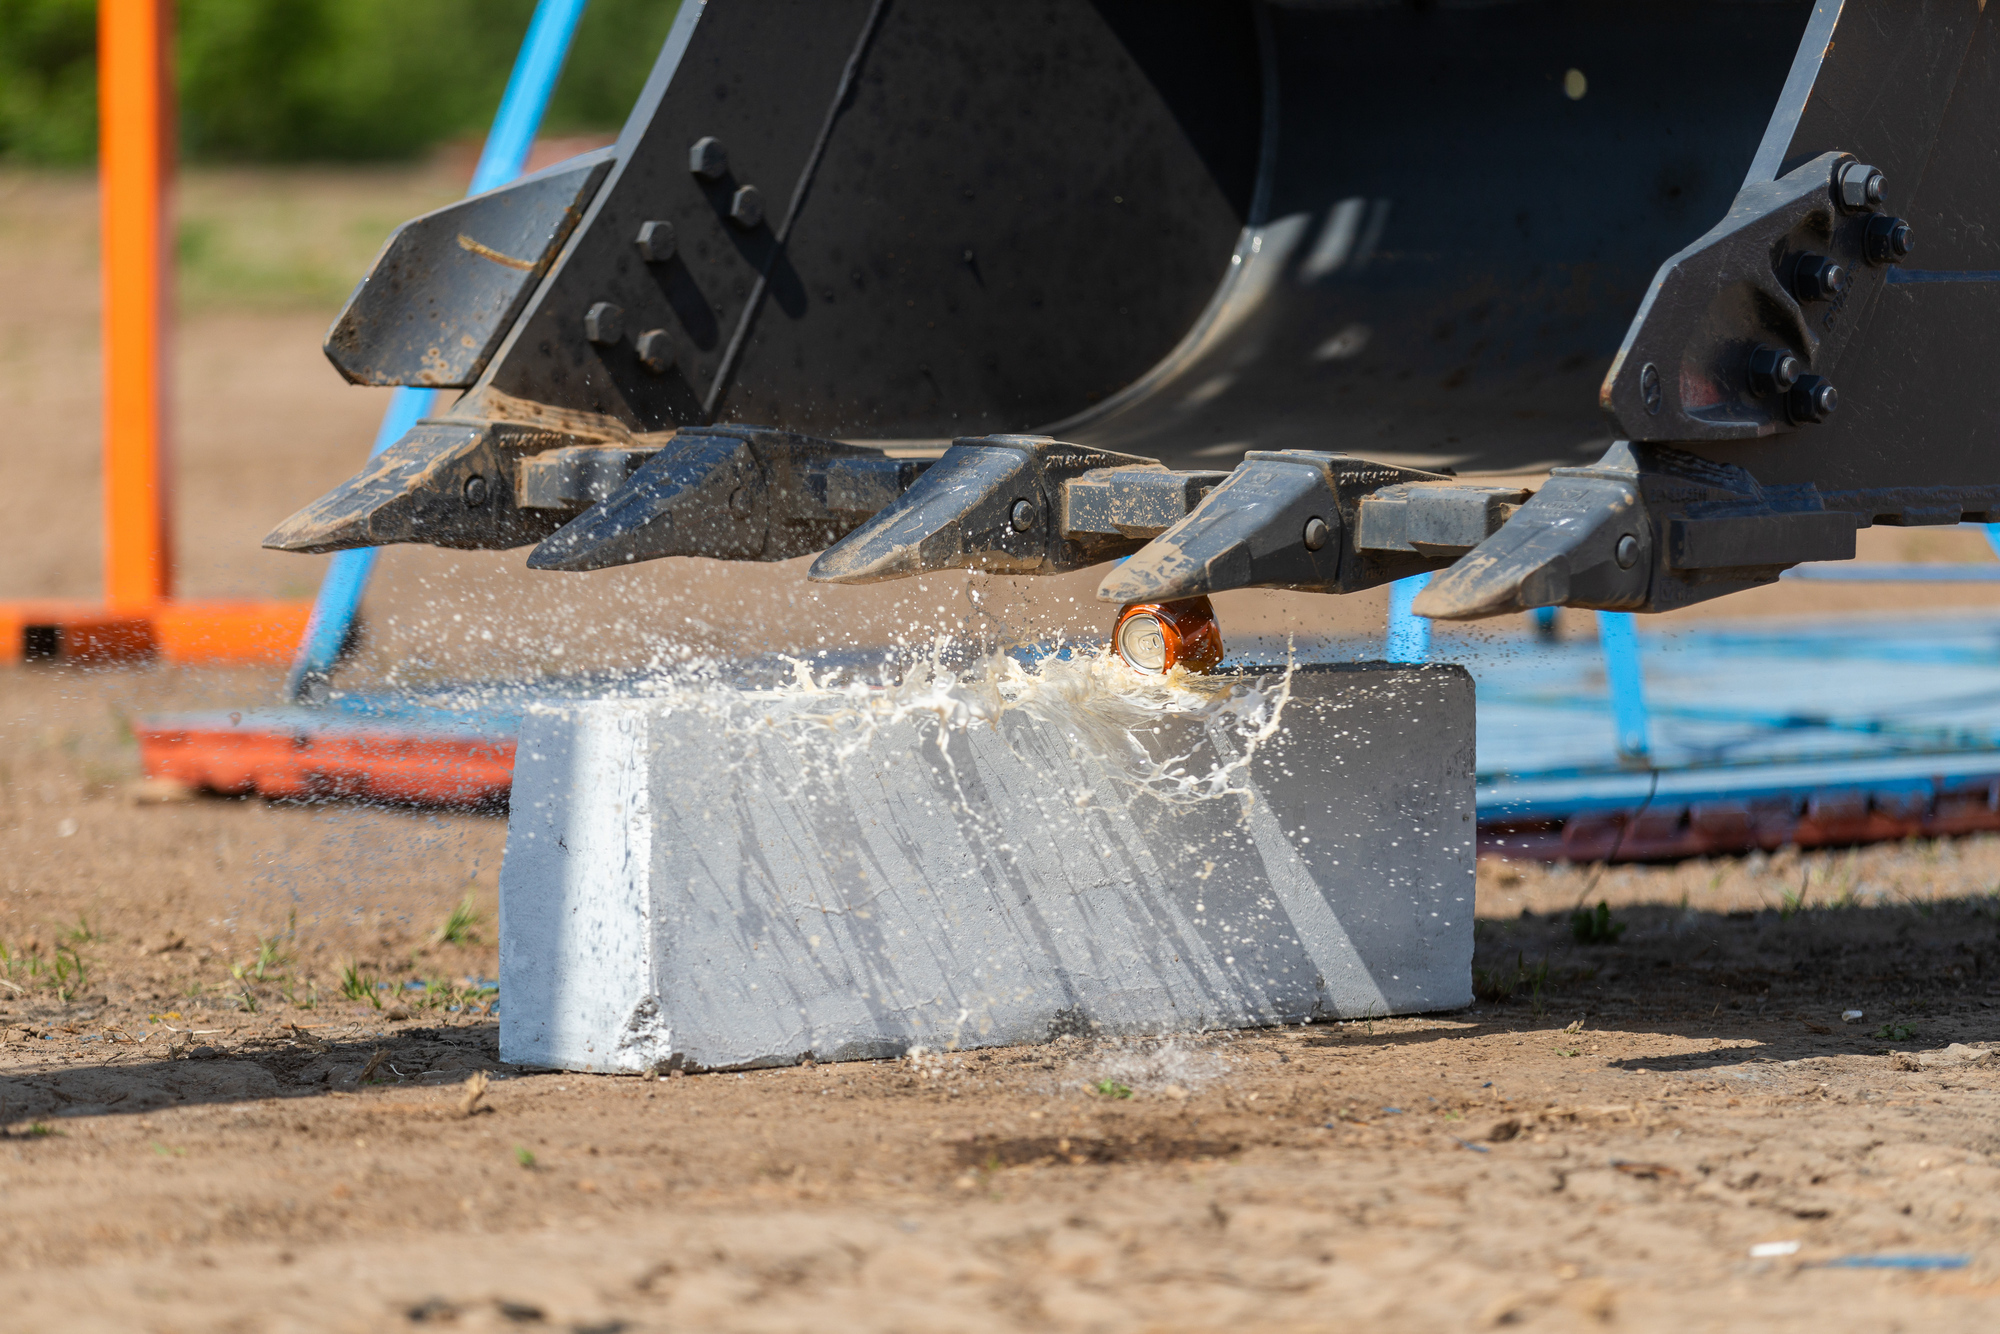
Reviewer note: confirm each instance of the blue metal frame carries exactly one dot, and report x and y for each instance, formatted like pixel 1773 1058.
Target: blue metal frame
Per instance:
pixel 536 69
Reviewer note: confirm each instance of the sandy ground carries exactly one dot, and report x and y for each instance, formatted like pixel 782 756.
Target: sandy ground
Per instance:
pixel 199 1134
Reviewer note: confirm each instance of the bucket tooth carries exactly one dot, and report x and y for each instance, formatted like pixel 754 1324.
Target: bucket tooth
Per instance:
pixel 731 493
pixel 696 499
pixel 993 503
pixel 1583 540
pixel 447 484
pixel 1250 531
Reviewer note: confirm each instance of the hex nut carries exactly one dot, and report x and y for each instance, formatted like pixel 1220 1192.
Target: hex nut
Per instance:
pixel 708 159
pixel 1812 399
pixel 1889 240
pixel 604 323
pixel 1773 370
pixel 1022 515
pixel 1817 278
pixel 656 351
pixel 1316 534
pixel 1626 553
pixel 746 207
pixel 656 242
pixel 1859 188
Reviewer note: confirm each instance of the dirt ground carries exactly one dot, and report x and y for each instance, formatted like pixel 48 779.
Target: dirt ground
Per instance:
pixel 239 1041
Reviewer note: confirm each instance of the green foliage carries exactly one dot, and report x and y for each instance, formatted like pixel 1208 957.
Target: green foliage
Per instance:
pixel 356 985
pixel 1896 1033
pixel 1111 1088
pixel 319 80
pixel 460 925
pixel 1594 926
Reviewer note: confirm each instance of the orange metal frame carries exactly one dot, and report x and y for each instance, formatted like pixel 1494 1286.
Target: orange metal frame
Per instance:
pixel 139 617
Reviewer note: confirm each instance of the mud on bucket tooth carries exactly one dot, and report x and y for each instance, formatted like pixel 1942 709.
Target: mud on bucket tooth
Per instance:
pixel 1657 259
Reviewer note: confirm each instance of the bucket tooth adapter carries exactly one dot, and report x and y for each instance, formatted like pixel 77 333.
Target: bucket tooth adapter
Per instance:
pixel 731 493
pixel 1016 504
pixel 1666 281
pixel 1324 523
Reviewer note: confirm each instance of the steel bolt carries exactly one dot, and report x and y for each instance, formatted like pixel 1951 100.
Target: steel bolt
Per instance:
pixel 1773 370
pixel 708 159
pixel 746 207
pixel 1317 533
pixel 604 323
pixel 1812 399
pixel 1859 188
pixel 1626 553
pixel 1022 516
pixel 656 242
pixel 1817 278
pixel 1889 240
pixel 656 351
pixel 475 491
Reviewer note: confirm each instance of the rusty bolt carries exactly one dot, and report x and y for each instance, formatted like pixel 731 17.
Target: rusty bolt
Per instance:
pixel 1889 240
pixel 1817 278
pixel 746 207
pixel 708 159
pixel 1859 188
pixel 604 323
pixel 656 351
pixel 656 242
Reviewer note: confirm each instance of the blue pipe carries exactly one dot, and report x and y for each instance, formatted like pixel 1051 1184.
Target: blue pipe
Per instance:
pixel 1409 633
pixel 1619 638
pixel 536 69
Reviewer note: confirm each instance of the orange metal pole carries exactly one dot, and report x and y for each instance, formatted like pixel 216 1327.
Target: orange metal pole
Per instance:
pixel 135 166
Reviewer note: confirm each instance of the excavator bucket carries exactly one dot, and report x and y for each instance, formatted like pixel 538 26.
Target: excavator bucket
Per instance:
pixel 1611 306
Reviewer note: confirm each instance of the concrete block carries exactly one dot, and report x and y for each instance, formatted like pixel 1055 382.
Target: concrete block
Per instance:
pixel 746 877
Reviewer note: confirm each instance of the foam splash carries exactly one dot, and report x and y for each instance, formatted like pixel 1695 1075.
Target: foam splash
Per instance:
pixel 1107 711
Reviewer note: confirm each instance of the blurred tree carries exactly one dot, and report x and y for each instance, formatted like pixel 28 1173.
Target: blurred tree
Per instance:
pixel 48 80
pixel 291 80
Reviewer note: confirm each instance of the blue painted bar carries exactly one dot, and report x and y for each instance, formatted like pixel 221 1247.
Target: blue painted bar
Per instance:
pixel 1619 639
pixel 1895 572
pixel 537 67
pixel 1409 634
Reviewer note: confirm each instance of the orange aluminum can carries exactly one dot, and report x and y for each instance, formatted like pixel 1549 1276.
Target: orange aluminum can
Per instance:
pixel 1156 637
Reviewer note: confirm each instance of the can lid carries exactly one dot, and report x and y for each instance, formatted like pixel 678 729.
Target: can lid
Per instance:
pixel 1142 642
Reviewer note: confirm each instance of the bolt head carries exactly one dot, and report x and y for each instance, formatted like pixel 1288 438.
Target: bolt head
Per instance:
pixel 604 323
pixel 1889 240
pixel 656 351
pixel 1859 188
pixel 708 159
pixel 1818 278
pixel 1813 399
pixel 475 491
pixel 1649 389
pixel 746 207
pixel 1317 533
pixel 1626 553
pixel 1022 516
pixel 1774 370
pixel 656 242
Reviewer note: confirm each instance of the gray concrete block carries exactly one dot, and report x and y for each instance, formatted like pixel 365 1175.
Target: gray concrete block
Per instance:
pixel 698 882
